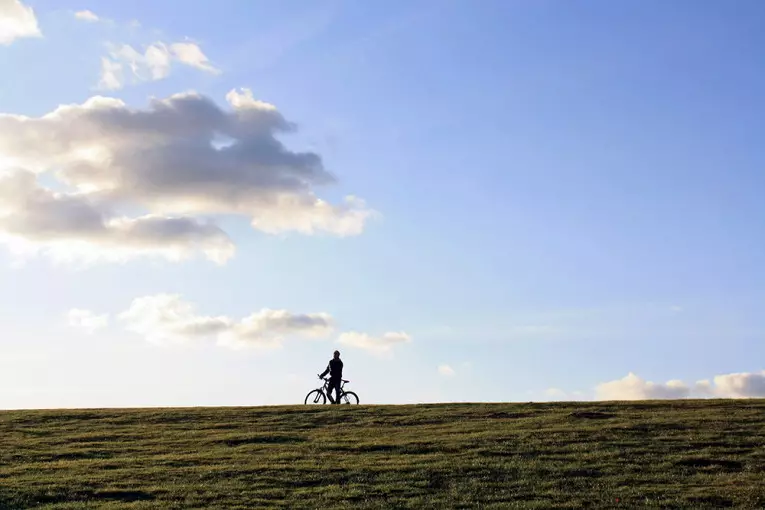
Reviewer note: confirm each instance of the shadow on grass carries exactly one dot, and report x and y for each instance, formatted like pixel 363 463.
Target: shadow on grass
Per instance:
pixel 714 501
pixel 655 427
pixel 266 439
pixel 122 495
pixel 26 500
pixel 703 462
pixel 583 473
pixel 80 455
pixel 592 415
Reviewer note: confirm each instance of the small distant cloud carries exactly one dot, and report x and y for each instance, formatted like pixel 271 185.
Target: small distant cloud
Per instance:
pixel 111 75
pixel 86 15
pixel 87 320
pixel 379 345
pixel 446 371
pixel 126 64
pixel 17 21
pixel 191 55
pixel 555 393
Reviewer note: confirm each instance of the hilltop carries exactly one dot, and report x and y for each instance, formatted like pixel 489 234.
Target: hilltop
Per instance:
pixel 668 454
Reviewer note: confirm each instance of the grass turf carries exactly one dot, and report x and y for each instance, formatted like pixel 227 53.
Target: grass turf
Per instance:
pixel 678 454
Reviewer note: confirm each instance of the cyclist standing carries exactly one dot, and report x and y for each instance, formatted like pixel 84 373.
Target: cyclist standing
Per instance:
pixel 335 370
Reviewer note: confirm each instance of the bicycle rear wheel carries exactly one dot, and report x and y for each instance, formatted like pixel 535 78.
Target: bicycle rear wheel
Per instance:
pixel 349 397
pixel 315 397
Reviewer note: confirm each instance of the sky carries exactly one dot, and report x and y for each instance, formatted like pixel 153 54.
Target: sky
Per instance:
pixel 472 201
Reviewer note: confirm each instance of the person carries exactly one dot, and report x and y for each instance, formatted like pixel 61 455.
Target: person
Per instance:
pixel 335 370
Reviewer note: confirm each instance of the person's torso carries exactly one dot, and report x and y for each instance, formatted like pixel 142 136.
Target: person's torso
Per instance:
pixel 335 368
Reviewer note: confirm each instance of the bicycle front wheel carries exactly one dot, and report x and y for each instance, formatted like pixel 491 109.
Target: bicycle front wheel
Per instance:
pixel 315 397
pixel 349 397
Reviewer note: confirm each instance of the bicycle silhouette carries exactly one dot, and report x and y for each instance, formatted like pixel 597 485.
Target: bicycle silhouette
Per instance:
pixel 320 395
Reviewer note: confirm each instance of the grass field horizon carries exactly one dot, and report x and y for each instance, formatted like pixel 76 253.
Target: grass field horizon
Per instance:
pixel 660 454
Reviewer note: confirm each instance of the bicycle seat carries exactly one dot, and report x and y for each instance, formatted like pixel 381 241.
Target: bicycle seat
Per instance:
pixel 345 380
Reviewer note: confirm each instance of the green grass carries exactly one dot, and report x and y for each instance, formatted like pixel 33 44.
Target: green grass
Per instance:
pixel 679 454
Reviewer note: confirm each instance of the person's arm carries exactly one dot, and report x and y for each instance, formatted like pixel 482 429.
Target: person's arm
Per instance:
pixel 324 373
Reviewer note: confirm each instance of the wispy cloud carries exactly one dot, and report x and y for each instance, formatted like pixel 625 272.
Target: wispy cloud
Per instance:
pixel 17 21
pixel 379 345
pixel 446 370
pixel 555 393
pixel 269 46
pixel 127 65
pixel 86 15
pixel 87 320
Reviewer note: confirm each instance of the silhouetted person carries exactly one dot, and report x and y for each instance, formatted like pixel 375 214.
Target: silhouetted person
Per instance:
pixel 335 370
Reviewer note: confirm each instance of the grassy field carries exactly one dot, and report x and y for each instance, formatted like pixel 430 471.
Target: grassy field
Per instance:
pixel 682 454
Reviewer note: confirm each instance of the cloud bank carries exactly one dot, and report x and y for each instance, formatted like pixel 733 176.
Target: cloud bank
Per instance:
pixel 134 182
pixel 17 21
pixel 735 385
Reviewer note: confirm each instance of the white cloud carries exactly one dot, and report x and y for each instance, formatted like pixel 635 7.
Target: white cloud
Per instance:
pixel 151 64
pixel 446 371
pixel 739 385
pixel 735 385
pixel 168 319
pixel 191 55
pixel 558 394
pixel 77 227
pixel 86 15
pixel 111 75
pixel 380 345
pixel 555 393
pixel 87 320
pixel 268 328
pixel 164 162
pixel 17 21
pixel 632 387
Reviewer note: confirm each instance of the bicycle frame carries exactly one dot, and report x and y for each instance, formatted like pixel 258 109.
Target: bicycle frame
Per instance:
pixel 323 392
pixel 325 389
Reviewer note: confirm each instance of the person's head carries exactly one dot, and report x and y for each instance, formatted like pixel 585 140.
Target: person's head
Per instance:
pixel 337 354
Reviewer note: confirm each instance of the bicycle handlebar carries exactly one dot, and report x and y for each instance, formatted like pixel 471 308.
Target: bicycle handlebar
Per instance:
pixel 327 379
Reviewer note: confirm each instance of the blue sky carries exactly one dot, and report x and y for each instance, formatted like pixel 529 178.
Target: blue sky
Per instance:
pixel 563 194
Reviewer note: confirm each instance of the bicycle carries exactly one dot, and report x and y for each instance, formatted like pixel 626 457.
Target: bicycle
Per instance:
pixel 320 395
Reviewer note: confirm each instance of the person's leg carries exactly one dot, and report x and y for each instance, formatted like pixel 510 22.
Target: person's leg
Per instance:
pixel 337 391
